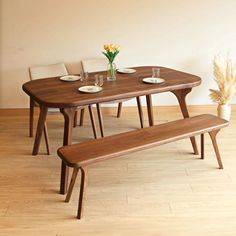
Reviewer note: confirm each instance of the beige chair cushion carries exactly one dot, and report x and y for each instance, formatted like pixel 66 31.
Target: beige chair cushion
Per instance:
pixel 94 65
pixel 47 71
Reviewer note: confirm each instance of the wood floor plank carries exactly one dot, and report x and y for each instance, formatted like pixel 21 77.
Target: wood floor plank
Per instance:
pixel 163 191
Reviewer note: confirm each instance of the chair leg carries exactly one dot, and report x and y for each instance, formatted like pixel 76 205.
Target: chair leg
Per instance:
pixel 72 183
pixel 92 121
pixel 75 119
pixel 31 118
pixel 213 139
pixel 81 117
pixel 100 119
pixel 82 192
pixel 45 130
pixel 140 111
pixel 119 110
pixel 202 146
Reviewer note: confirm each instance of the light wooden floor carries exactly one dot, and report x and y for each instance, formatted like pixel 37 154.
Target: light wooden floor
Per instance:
pixel 163 191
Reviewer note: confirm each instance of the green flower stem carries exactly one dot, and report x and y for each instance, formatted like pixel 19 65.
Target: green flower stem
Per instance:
pixel 112 71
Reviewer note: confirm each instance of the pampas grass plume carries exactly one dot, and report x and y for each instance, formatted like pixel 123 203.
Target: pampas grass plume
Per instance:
pixel 225 77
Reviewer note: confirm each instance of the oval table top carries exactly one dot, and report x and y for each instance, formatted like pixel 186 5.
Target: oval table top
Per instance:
pixel 53 92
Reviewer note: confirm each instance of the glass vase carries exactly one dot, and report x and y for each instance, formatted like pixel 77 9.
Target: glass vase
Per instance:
pixel 111 71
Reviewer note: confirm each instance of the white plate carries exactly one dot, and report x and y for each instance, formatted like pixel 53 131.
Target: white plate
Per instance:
pixel 90 89
pixel 70 78
pixel 151 80
pixel 126 70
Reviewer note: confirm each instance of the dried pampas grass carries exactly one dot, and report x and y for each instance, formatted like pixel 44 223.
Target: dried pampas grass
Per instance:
pixel 225 77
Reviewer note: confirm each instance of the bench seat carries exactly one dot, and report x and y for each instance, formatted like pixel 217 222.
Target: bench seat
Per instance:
pixel 80 155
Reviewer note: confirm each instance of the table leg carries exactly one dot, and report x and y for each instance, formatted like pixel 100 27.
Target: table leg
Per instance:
pixel 140 111
pixel 100 119
pixel 181 95
pixel 150 109
pixel 46 138
pixel 68 114
pixel 40 127
pixel 92 121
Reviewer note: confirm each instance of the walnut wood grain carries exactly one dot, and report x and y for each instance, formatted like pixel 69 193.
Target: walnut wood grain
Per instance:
pixel 45 130
pixel 31 118
pixel 119 110
pixel 150 110
pixel 72 183
pixel 181 96
pixel 40 128
pixel 56 93
pixel 100 119
pixel 213 134
pixel 140 111
pixel 83 183
pixel 81 155
pixel 202 146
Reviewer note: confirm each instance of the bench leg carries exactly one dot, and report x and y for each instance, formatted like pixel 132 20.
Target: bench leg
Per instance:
pixel 140 111
pixel 213 139
pixel 82 192
pixel 202 146
pixel 181 95
pixel 72 183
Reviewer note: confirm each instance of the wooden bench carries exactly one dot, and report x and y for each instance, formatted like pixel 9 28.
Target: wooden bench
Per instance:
pixel 81 155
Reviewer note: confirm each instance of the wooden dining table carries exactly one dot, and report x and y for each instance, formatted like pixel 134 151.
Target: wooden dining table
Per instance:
pixel 55 93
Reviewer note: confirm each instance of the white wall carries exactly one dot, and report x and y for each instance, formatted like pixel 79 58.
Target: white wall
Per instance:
pixel 181 34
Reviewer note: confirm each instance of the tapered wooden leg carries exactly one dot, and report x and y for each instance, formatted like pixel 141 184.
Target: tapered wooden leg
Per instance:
pixel 181 95
pixel 140 111
pixel 81 122
pixel 92 121
pixel 150 109
pixel 213 139
pixel 45 129
pixel 75 119
pixel 72 183
pixel 40 127
pixel 64 178
pixel 100 119
pixel 202 146
pixel 119 110
pixel 31 118
pixel 68 114
pixel 82 192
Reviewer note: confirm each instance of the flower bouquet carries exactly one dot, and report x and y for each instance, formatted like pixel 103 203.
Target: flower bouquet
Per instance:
pixel 111 51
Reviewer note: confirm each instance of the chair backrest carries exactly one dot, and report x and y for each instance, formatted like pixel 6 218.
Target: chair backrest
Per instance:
pixel 94 65
pixel 47 71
